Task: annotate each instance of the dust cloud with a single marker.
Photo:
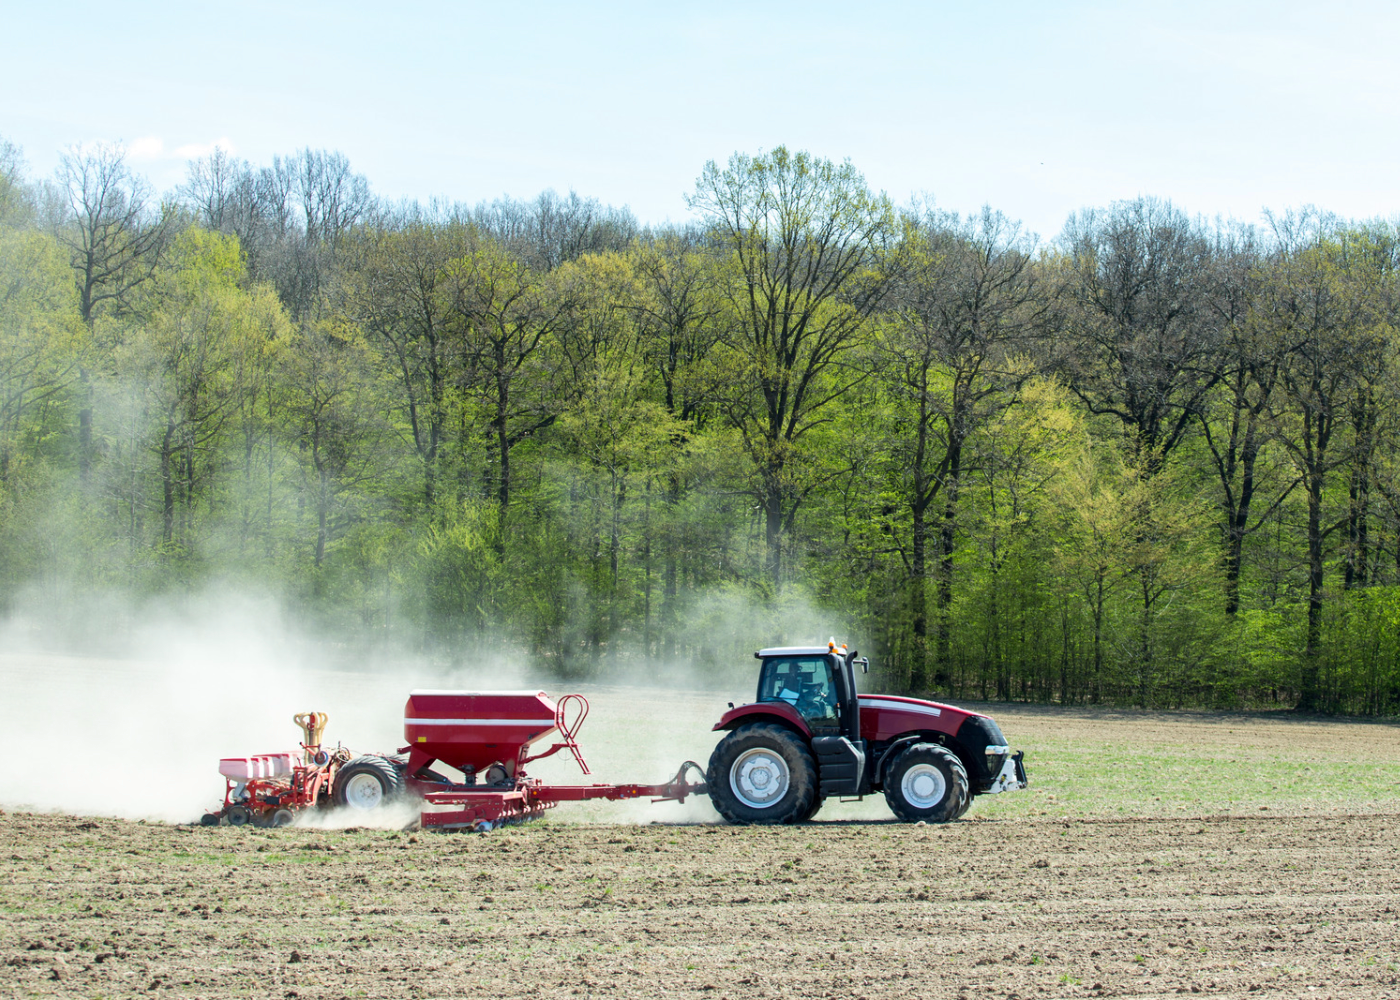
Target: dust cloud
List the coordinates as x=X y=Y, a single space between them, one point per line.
x=135 y=726
x=140 y=734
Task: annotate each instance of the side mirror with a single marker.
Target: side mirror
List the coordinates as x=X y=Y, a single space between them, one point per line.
x=864 y=662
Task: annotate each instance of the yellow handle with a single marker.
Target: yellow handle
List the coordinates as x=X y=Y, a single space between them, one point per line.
x=312 y=724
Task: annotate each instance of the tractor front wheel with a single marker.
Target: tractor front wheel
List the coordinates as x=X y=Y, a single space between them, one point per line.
x=927 y=782
x=366 y=783
x=762 y=774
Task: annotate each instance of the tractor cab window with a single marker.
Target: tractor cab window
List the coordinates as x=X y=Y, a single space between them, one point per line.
x=805 y=682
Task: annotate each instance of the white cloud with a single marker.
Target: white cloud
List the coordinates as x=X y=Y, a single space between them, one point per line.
x=149 y=147
x=195 y=150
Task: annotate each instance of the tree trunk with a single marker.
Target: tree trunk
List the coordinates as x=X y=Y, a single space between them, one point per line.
x=1237 y=521
x=322 y=502
x=1359 y=498
x=167 y=480
x=85 y=426
x=1309 y=696
x=646 y=573
x=502 y=432
x=947 y=539
x=1096 y=689
x=918 y=568
x=918 y=600
x=773 y=531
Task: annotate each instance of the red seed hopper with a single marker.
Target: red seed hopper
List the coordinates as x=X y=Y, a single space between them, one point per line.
x=474 y=731
x=488 y=736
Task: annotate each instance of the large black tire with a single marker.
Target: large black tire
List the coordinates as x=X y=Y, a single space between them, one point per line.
x=927 y=782
x=763 y=774
x=366 y=783
x=967 y=804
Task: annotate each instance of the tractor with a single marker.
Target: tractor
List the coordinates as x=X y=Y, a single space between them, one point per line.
x=809 y=736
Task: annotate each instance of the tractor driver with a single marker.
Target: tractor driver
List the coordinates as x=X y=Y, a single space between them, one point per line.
x=816 y=701
x=807 y=686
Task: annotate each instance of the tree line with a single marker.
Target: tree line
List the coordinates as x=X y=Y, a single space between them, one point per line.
x=1147 y=462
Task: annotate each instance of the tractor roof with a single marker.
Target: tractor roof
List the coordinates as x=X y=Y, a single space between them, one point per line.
x=793 y=651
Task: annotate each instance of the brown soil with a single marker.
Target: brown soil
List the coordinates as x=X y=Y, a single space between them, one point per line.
x=1256 y=905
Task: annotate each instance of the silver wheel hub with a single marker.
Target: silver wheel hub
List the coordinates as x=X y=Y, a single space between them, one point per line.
x=363 y=791
x=923 y=786
x=760 y=778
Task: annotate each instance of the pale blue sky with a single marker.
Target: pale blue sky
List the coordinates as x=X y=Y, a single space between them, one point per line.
x=1035 y=108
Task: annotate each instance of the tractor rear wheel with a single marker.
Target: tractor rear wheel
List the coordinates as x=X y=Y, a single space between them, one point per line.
x=366 y=783
x=763 y=774
x=927 y=782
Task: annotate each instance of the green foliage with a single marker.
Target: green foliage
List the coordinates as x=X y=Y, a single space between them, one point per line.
x=1139 y=467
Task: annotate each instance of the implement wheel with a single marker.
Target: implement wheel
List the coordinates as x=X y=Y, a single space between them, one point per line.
x=366 y=783
x=763 y=774
x=927 y=782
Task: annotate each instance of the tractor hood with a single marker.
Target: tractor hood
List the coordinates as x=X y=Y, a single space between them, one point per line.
x=884 y=716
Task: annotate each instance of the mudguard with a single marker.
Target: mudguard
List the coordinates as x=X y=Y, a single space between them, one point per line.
x=779 y=711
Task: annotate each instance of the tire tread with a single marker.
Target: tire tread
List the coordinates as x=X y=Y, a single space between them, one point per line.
x=802 y=767
x=952 y=807
x=381 y=767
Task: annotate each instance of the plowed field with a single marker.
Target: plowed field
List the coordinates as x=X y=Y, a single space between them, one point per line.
x=1155 y=856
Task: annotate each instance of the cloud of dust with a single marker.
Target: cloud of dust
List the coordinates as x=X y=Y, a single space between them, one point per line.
x=135 y=727
x=400 y=815
x=137 y=730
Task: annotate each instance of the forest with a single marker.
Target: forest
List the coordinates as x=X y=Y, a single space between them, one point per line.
x=1148 y=461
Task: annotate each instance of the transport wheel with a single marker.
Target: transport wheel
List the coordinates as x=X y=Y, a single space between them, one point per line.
x=282 y=817
x=927 y=782
x=366 y=783
x=763 y=774
x=209 y=819
x=238 y=816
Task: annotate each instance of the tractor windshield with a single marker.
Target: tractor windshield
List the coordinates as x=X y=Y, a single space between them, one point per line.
x=805 y=682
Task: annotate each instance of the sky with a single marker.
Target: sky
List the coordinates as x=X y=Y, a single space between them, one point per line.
x=1036 y=109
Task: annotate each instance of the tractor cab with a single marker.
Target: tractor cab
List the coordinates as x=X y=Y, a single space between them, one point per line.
x=807 y=683
x=818 y=682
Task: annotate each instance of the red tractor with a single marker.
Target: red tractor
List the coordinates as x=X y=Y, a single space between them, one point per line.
x=809 y=735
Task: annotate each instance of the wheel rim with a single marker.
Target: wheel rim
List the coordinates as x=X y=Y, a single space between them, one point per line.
x=237 y=816
x=760 y=778
x=923 y=786
x=282 y=817
x=363 y=791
